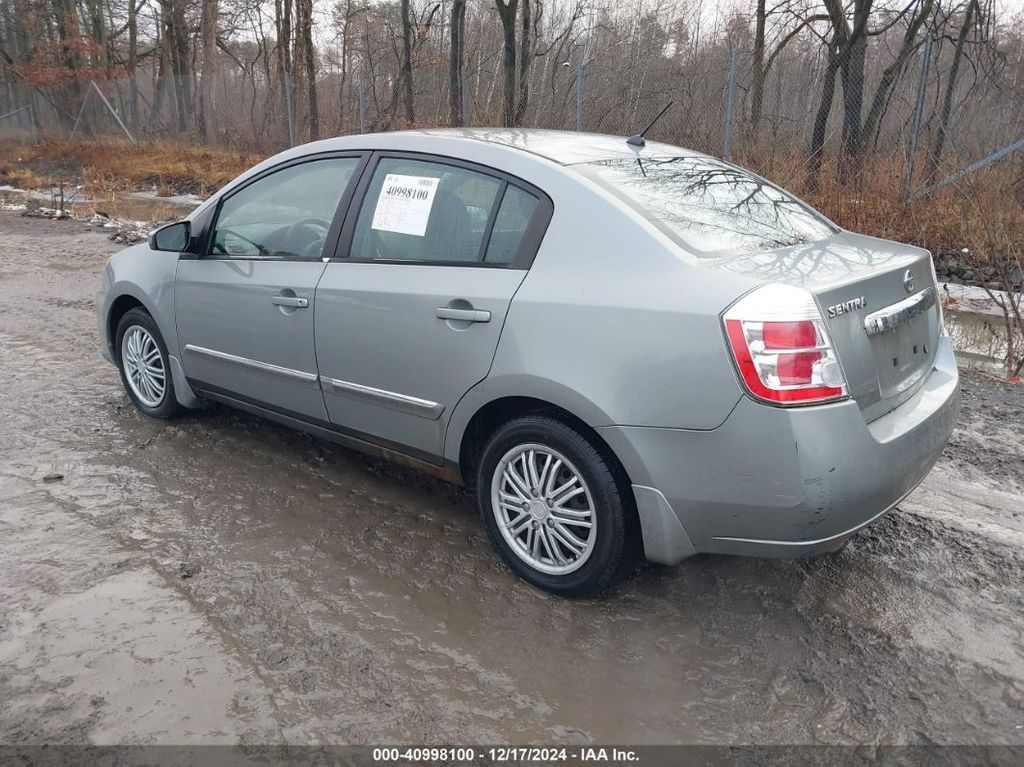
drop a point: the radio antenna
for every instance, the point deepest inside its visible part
(638, 139)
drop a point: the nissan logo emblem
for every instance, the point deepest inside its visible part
(908, 281)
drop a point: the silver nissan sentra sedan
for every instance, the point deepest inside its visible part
(627, 348)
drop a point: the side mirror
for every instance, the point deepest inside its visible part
(173, 237)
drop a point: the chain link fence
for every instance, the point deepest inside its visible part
(864, 138)
(912, 117)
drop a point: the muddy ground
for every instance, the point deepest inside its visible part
(223, 579)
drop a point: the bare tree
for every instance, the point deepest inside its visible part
(306, 55)
(207, 109)
(847, 55)
(283, 54)
(456, 66)
(176, 61)
(407, 43)
(866, 134)
(939, 144)
(507, 10)
(526, 43)
(757, 86)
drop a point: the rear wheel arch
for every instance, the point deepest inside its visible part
(494, 414)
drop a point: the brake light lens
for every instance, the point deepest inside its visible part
(782, 348)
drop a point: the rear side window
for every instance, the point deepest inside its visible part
(421, 211)
(514, 215)
(285, 214)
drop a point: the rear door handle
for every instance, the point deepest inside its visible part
(294, 301)
(463, 315)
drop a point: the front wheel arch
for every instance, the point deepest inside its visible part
(119, 307)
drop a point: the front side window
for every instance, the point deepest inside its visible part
(421, 211)
(283, 215)
(710, 207)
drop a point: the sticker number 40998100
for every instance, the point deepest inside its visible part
(404, 204)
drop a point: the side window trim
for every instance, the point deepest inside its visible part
(529, 244)
(333, 232)
(492, 216)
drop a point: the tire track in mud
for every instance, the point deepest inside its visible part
(353, 601)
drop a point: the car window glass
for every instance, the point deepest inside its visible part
(283, 215)
(424, 211)
(711, 207)
(510, 224)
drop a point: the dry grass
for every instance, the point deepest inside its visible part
(167, 168)
(22, 178)
(951, 219)
(945, 223)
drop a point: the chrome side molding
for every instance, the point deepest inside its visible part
(900, 313)
(265, 367)
(402, 402)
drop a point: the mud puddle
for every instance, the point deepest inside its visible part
(225, 579)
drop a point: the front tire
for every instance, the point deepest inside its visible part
(559, 511)
(145, 365)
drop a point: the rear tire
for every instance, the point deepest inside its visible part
(559, 512)
(145, 365)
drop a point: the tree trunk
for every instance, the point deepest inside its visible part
(828, 89)
(160, 82)
(176, 45)
(68, 35)
(507, 14)
(207, 113)
(852, 74)
(852, 67)
(891, 74)
(456, 63)
(133, 59)
(304, 35)
(947, 101)
(407, 90)
(757, 84)
(283, 58)
(98, 33)
(525, 58)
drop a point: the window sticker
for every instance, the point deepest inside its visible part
(404, 204)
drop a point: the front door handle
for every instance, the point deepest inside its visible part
(463, 315)
(293, 301)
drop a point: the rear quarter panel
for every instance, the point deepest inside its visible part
(612, 323)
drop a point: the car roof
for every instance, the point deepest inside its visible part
(563, 147)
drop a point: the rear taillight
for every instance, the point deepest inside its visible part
(782, 348)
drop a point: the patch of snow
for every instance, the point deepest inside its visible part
(972, 299)
(177, 199)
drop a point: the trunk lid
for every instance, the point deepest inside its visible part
(878, 301)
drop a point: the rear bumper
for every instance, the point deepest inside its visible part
(776, 482)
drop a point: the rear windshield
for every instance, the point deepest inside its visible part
(710, 207)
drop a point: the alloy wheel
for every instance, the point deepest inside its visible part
(143, 366)
(544, 509)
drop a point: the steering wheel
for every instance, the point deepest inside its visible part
(306, 237)
(218, 247)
